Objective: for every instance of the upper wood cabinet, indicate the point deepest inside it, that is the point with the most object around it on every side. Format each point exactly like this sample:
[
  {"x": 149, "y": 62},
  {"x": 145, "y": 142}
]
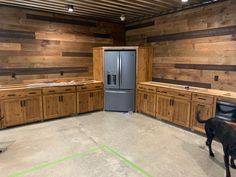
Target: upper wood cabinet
[{"x": 143, "y": 62}]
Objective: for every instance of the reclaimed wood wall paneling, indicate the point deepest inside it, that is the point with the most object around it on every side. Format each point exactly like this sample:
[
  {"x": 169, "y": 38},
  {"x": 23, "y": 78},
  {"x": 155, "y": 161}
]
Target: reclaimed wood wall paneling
[
  {"x": 35, "y": 40},
  {"x": 193, "y": 60}
]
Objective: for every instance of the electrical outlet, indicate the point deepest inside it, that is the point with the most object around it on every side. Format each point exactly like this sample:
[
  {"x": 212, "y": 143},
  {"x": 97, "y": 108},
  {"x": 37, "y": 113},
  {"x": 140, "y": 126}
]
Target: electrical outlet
[{"x": 216, "y": 78}]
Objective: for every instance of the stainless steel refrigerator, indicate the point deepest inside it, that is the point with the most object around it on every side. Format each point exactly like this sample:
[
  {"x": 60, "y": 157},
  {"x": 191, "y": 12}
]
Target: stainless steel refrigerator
[{"x": 119, "y": 74}]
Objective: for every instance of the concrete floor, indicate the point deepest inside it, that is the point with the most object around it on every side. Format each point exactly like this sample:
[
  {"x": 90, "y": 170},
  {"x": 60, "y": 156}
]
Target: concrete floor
[{"x": 160, "y": 149}]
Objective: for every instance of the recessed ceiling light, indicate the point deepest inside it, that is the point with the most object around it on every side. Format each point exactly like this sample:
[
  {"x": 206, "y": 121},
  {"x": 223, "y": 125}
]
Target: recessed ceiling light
[
  {"x": 70, "y": 8},
  {"x": 122, "y": 17},
  {"x": 184, "y": 1}
]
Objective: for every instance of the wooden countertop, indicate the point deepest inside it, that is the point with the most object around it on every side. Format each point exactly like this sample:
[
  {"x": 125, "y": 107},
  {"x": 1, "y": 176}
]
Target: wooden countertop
[
  {"x": 43, "y": 85},
  {"x": 224, "y": 95}
]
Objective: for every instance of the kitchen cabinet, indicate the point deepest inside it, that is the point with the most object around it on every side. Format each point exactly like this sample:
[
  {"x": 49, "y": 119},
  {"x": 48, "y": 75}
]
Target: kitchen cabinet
[
  {"x": 20, "y": 106},
  {"x": 181, "y": 112},
  {"x": 143, "y": 62},
  {"x": 22, "y": 110},
  {"x": 174, "y": 106},
  {"x": 33, "y": 109},
  {"x": 205, "y": 105},
  {"x": 12, "y": 112},
  {"x": 164, "y": 107},
  {"x": 146, "y": 100},
  {"x": 90, "y": 99},
  {"x": 59, "y": 102}
]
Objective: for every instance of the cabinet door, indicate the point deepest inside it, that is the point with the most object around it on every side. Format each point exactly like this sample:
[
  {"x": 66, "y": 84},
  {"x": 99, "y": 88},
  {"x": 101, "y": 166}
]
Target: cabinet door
[
  {"x": 51, "y": 106},
  {"x": 164, "y": 109},
  {"x": 151, "y": 104},
  {"x": 206, "y": 112},
  {"x": 83, "y": 102},
  {"x": 67, "y": 104},
  {"x": 140, "y": 101},
  {"x": 33, "y": 109},
  {"x": 96, "y": 100},
  {"x": 12, "y": 112},
  {"x": 181, "y": 112}
]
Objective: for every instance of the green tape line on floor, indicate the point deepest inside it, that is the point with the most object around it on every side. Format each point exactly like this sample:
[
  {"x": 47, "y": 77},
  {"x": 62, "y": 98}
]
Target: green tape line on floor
[
  {"x": 56, "y": 162},
  {"x": 129, "y": 162}
]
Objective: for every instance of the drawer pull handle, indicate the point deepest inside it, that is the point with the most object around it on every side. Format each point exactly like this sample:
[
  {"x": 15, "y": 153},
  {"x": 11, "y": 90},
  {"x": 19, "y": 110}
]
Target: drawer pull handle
[
  {"x": 84, "y": 87},
  {"x": 181, "y": 94},
  {"x": 12, "y": 95},
  {"x": 68, "y": 89},
  {"x": 51, "y": 91},
  {"x": 97, "y": 86},
  {"x": 141, "y": 88},
  {"x": 32, "y": 93},
  {"x": 151, "y": 89},
  {"x": 163, "y": 91},
  {"x": 202, "y": 99}
]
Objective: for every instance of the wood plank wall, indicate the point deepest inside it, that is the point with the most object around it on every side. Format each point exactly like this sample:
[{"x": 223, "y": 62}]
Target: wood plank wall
[
  {"x": 195, "y": 46},
  {"x": 32, "y": 40}
]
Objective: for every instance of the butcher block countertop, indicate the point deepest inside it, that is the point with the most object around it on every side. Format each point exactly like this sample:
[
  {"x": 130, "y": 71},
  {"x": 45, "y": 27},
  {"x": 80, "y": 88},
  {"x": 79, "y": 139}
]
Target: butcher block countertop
[
  {"x": 43, "y": 85},
  {"x": 224, "y": 95}
]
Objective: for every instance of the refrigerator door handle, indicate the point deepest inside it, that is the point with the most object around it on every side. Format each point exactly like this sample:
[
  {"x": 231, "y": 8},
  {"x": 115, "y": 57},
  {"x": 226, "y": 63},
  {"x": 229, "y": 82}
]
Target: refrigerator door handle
[
  {"x": 120, "y": 70},
  {"x": 118, "y": 91}
]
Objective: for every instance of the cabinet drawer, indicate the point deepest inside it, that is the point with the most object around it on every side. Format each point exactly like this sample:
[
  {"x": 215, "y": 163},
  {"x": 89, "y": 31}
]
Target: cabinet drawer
[
  {"x": 53, "y": 90},
  {"x": 147, "y": 88},
  {"x": 182, "y": 94},
  {"x": 203, "y": 98},
  {"x": 33, "y": 92},
  {"x": 89, "y": 87},
  {"x": 164, "y": 91}
]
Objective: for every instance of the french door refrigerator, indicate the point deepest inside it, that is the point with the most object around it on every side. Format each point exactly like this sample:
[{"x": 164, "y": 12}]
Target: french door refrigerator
[{"x": 119, "y": 78}]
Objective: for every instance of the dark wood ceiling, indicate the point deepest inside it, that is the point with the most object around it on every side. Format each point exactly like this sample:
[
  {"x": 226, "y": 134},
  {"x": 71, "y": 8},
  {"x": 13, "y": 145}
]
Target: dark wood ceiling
[{"x": 108, "y": 10}]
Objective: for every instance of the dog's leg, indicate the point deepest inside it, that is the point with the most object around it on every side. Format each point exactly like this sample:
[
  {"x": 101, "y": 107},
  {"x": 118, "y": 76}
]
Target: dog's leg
[
  {"x": 232, "y": 163},
  {"x": 226, "y": 160},
  {"x": 210, "y": 137}
]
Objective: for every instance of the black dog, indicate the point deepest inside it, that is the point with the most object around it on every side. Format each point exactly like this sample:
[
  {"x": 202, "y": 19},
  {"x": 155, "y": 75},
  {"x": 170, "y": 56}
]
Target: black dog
[{"x": 225, "y": 134}]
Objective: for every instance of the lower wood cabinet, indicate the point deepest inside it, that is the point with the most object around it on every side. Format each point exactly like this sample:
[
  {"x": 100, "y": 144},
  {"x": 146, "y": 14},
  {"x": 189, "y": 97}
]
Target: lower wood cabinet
[
  {"x": 21, "y": 110},
  {"x": 59, "y": 105},
  {"x": 88, "y": 101},
  {"x": 173, "y": 110},
  {"x": 164, "y": 108},
  {"x": 206, "y": 112},
  {"x": 146, "y": 103},
  {"x": 181, "y": 112}
]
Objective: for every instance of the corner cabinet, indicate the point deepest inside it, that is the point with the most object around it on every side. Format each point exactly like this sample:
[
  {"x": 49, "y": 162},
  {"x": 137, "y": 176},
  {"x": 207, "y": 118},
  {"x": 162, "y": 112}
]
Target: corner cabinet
[
  {"x": 20, "y": 107},
  {"x": 59, "y": 102},
  {"x": 90, "y": 98}
]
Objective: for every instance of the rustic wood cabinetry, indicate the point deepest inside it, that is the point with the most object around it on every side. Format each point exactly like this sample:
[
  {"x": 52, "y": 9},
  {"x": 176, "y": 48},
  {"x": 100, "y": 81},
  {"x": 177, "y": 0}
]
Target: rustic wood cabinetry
[
  {"x": 20, "y": 106},
  {"x": 89, "y": 98},
  {"x": 174, "y": 106},
  {"x": 204, "y": 104},
  {"x": 59, "y": 102},
  {"x": 146, "y": 100},
  {"x": 143, "y": 62}
]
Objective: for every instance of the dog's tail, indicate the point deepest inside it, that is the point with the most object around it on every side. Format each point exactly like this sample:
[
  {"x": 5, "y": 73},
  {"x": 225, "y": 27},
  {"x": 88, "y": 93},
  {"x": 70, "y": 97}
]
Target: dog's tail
[{"x": 197, "y": 117}]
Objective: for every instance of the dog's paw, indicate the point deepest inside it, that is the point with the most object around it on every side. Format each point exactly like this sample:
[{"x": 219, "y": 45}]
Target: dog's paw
[
  {"x": 207, "y": 143},
  {"x": 233, "y": 166}
]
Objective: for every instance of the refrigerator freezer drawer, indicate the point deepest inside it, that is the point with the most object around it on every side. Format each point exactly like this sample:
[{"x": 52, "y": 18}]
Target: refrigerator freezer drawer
[{"x": 119, "y": 100}]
